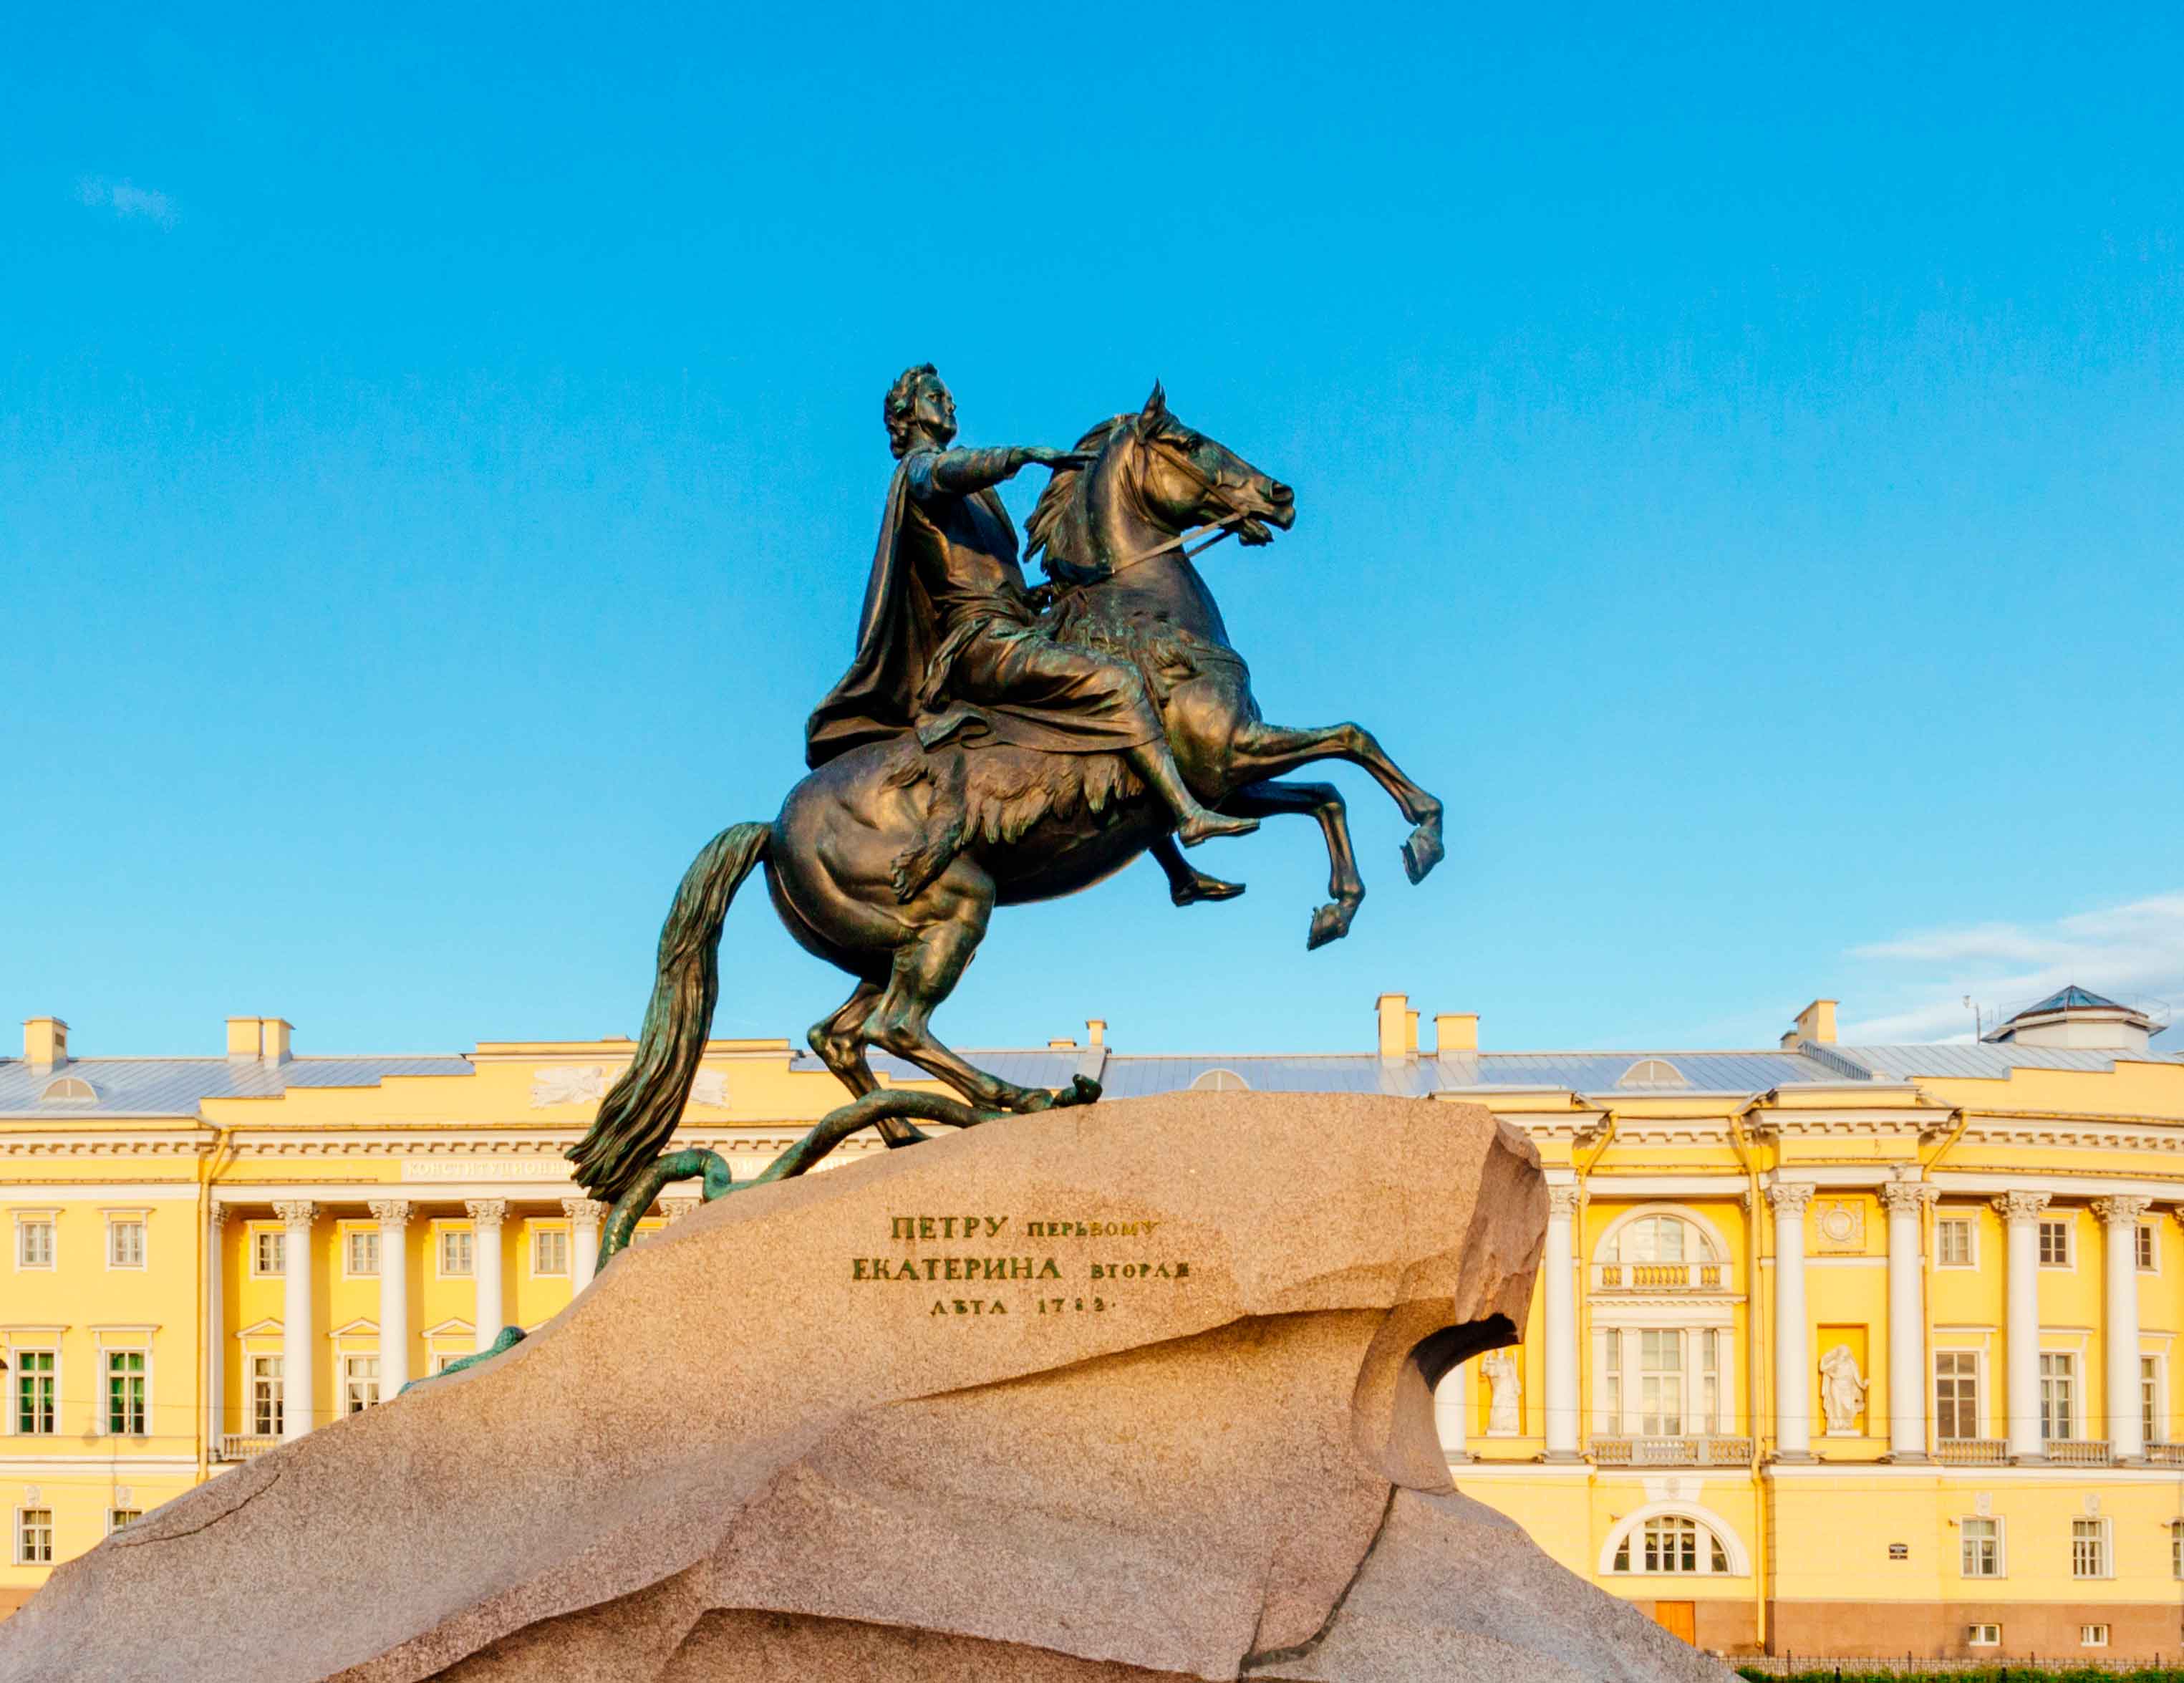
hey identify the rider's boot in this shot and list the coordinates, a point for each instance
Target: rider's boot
(1193, 822)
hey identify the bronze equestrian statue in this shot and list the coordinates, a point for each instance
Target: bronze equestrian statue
(990, 745)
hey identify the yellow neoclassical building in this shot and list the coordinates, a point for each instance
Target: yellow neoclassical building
(1835, 1350)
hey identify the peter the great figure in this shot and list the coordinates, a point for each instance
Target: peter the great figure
(949, 642)
(992, 745)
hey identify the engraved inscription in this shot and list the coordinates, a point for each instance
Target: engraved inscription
(902, 1262)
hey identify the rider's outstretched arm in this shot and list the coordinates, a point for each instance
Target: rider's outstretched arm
(957, 473)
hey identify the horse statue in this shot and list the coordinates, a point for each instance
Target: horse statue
(888, 861)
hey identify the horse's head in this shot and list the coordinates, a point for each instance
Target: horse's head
(1185, 479)
(1151, 473)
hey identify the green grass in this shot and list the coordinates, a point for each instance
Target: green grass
(1992, 1673)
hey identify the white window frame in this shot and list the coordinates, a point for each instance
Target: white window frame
(255, 1235)
(107, 1355)
(2093, 1635)
(2103, 1536)
(348, 1233)
(442, 1231)
(24, 1221)
(277, 1382)
(351, 1380)
(1970, 1220)
(2001, 1547)
(2149, 1233)
(2160, 1376)
(540, 1231)
(2176, 1548)
(15, 1376)
(116, 1220)
(1975, 1639)
(112, 1514)
(1629, 1532)
(2068, 1224)
(2075, 1374)
(23, 1555)
(1979, 1388)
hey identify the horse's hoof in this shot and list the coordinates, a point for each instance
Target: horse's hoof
(1328, 923)
(1082, 1090)
(1422, 851)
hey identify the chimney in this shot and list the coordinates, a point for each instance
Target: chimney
(243, 1040)
(1095, 1031)
(45, 1042)
(1456, 1032)
(1398, 1025)
(273, 1038)
(1815, 1022)
(1061, 1043)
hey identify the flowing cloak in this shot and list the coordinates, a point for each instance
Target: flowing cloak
(897, 681)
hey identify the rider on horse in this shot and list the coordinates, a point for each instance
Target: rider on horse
(948, 643)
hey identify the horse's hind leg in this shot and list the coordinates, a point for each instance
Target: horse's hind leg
(926, 969)
(1323, 801)
(1261, 750)
(839, 1041)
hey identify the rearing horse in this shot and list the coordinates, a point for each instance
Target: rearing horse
(888, 861)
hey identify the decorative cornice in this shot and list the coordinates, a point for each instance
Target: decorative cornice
(2121, 1212)
(2015, 1207)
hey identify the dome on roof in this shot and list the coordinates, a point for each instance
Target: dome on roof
(2078, 1018)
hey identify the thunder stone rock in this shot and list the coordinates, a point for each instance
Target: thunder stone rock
(1140, 1391)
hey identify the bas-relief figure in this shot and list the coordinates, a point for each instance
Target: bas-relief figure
(1499, 1369)
(1842, 1390)
(994, 744)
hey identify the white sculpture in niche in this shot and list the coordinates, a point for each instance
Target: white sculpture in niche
(711, 1088)
(563, 1083)
(1842, 1390)
(1500, 1367)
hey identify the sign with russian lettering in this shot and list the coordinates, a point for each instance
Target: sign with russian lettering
(979, 1265)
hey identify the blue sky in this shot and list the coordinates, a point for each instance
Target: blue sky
(1737, 463)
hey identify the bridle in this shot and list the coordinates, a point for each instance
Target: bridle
(1220, 528)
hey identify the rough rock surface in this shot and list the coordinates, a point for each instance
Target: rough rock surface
(1135, 1391)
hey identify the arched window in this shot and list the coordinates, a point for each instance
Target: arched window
(1653, 1072)
(69, 1090)
(1220, 1081)
(1671, 1544)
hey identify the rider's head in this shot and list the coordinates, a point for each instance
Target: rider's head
(918, 403)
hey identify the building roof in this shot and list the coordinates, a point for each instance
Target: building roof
(176, 1086)
(1985, 1061)
(2072, 998)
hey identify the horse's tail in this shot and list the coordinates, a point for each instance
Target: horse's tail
(637, 1116)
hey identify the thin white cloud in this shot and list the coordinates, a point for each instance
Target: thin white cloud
(126, 200)
(2133, 952)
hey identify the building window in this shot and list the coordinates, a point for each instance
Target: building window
(1982, 1548)
(360, 1384)
(1671, 1543)
(1956, 1394)
(120, 1519)
(2089, 1548)
(34, 1244)
(1983, 1636)
(1709, 1408)
(360, 1252)
(269, 1252)
(2092, 1635)
(125, 1408)
(2059, 1396)
(2149, 1259)
(34, 1536)
(124, 1243)
(35, 1393)
(2149, 1400)
(2176, 1548)
(265, 1396)
(1952, 1242)
(437, 1363)
(2055, 1244)
(550, 1250)
(1660, 1381)
(456, 1252)
(1611, 1380)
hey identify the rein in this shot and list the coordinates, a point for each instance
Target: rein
(1220, 529)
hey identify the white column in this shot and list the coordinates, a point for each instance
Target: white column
(486, 1215)
(1562, 1325)
(215, 1324)
(2127, 1422)
(2020, 1215)
(583, 1214)
(1793, 1364)
(1451, 1397)
(298, 1352)
(393, 1214)
(1907, 1319)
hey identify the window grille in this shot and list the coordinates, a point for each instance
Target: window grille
(2055, 1244)
(1982, 1548)
(269, 1252)
(34, 1536)
(550, 1250)
(34, 1245)
(362, 1248)
(125, 1245)
(1952, 1241)
(2089, 1548)
(1956, 1394)
(456, 1250)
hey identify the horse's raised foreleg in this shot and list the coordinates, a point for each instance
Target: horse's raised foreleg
(1259, 751)
(1187, 884)
(1323, 801)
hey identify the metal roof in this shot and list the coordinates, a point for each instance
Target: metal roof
(1990, 1062)
(2072, 998)
(175, 1086)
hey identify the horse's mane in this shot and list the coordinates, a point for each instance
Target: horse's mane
(1054, 528)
